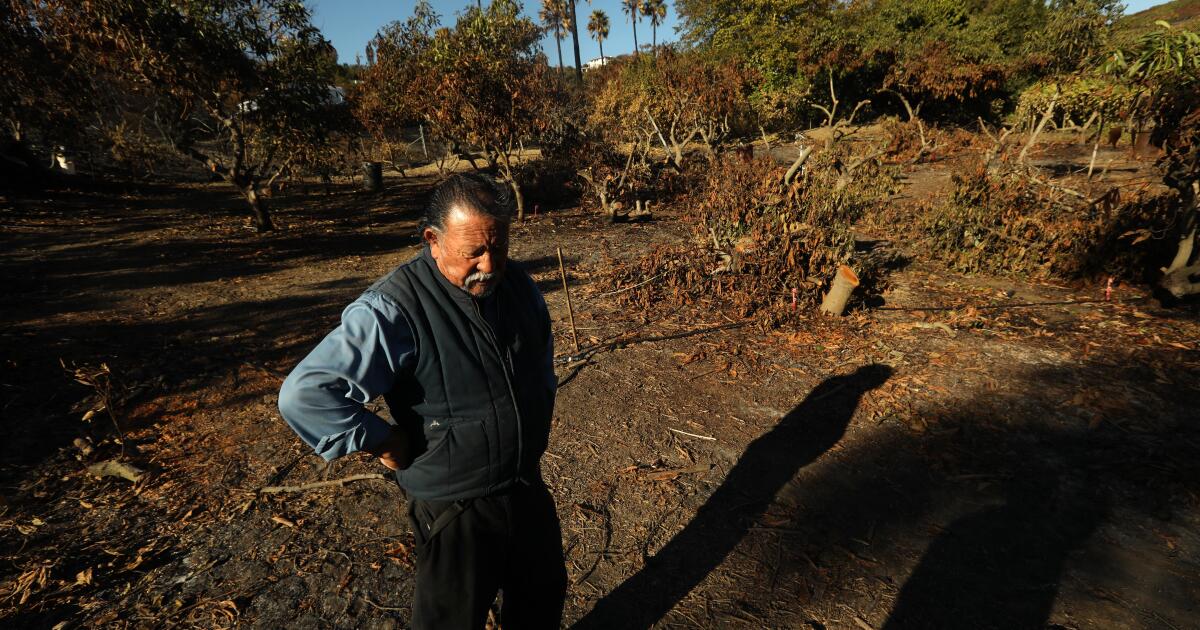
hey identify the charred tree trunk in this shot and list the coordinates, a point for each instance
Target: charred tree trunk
(242, 176)
(600, 187)
(372, 177)
(258, 206)
(502, 159)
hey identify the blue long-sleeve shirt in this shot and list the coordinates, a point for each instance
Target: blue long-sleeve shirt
(324, 397)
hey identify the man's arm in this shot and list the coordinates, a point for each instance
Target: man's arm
(323, 398)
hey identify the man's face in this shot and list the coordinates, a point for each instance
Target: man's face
(471, 250)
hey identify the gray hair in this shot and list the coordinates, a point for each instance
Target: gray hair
(474, 192)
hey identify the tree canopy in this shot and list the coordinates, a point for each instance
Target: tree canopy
(240, 86)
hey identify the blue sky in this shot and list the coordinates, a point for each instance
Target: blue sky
(350, 24)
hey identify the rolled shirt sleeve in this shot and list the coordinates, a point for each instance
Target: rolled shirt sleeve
(323, 398)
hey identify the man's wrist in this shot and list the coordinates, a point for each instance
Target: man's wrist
(377, 433)
(395, 451)
(383, 445)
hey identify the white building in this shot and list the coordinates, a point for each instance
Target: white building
(598, 62)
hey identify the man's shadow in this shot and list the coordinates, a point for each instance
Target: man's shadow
(770, 462)
(1001, 567)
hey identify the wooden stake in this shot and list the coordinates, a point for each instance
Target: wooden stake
(562, 271)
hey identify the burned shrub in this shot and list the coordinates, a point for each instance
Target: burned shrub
(1007, 221)
(1131, 238)
(909, 140)
(760, 246)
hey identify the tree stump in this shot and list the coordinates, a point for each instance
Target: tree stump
(835, 300)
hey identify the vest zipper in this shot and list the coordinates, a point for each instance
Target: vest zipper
(512, 394)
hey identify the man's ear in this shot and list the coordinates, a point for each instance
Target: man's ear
(430, 237)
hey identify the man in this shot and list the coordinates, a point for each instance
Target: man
(457, 341)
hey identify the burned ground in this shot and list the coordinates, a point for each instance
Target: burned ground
(983, 465)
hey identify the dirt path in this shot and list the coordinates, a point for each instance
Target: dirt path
(986, 466)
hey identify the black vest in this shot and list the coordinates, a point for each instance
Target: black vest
(478, 403)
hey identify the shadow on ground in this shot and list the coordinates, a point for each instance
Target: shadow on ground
(1013, 488)
(771, 461)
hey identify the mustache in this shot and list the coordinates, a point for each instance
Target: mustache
(477, 277)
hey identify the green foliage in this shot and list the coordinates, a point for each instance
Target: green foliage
(598, 27)
(1178, 13)
(939, 53)
(1076, 98)
(956, 60)
(1161, 60)
(556, 18)
(1163, 68)
(770, 37)
(1075, 34)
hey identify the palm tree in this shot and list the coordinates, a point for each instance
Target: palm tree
(573, 25)
(598, 27)
(656, 10)
(632, 8)
(553, 15)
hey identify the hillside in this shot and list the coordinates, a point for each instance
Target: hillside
(1180, 13)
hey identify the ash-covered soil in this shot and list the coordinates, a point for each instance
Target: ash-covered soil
(996, 462)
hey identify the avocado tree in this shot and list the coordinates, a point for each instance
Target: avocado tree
(242, 87)
(483, 83)
(390, 95)
(680, 99)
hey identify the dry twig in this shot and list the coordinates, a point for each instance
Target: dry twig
(321, 484)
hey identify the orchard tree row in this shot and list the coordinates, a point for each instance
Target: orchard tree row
(252, 93)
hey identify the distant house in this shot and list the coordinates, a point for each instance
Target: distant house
(598, 62)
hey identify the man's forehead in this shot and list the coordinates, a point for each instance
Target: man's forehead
(466, 219)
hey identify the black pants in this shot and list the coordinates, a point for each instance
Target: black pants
(468, 550)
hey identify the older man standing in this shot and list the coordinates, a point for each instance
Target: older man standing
(457, 341)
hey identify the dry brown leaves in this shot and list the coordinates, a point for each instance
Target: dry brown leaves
(1003, 219)
(757, 247)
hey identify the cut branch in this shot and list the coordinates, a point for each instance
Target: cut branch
(322, 484)
(795, 167)
(1041, 125)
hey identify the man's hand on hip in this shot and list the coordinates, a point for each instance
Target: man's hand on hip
(395, 452)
